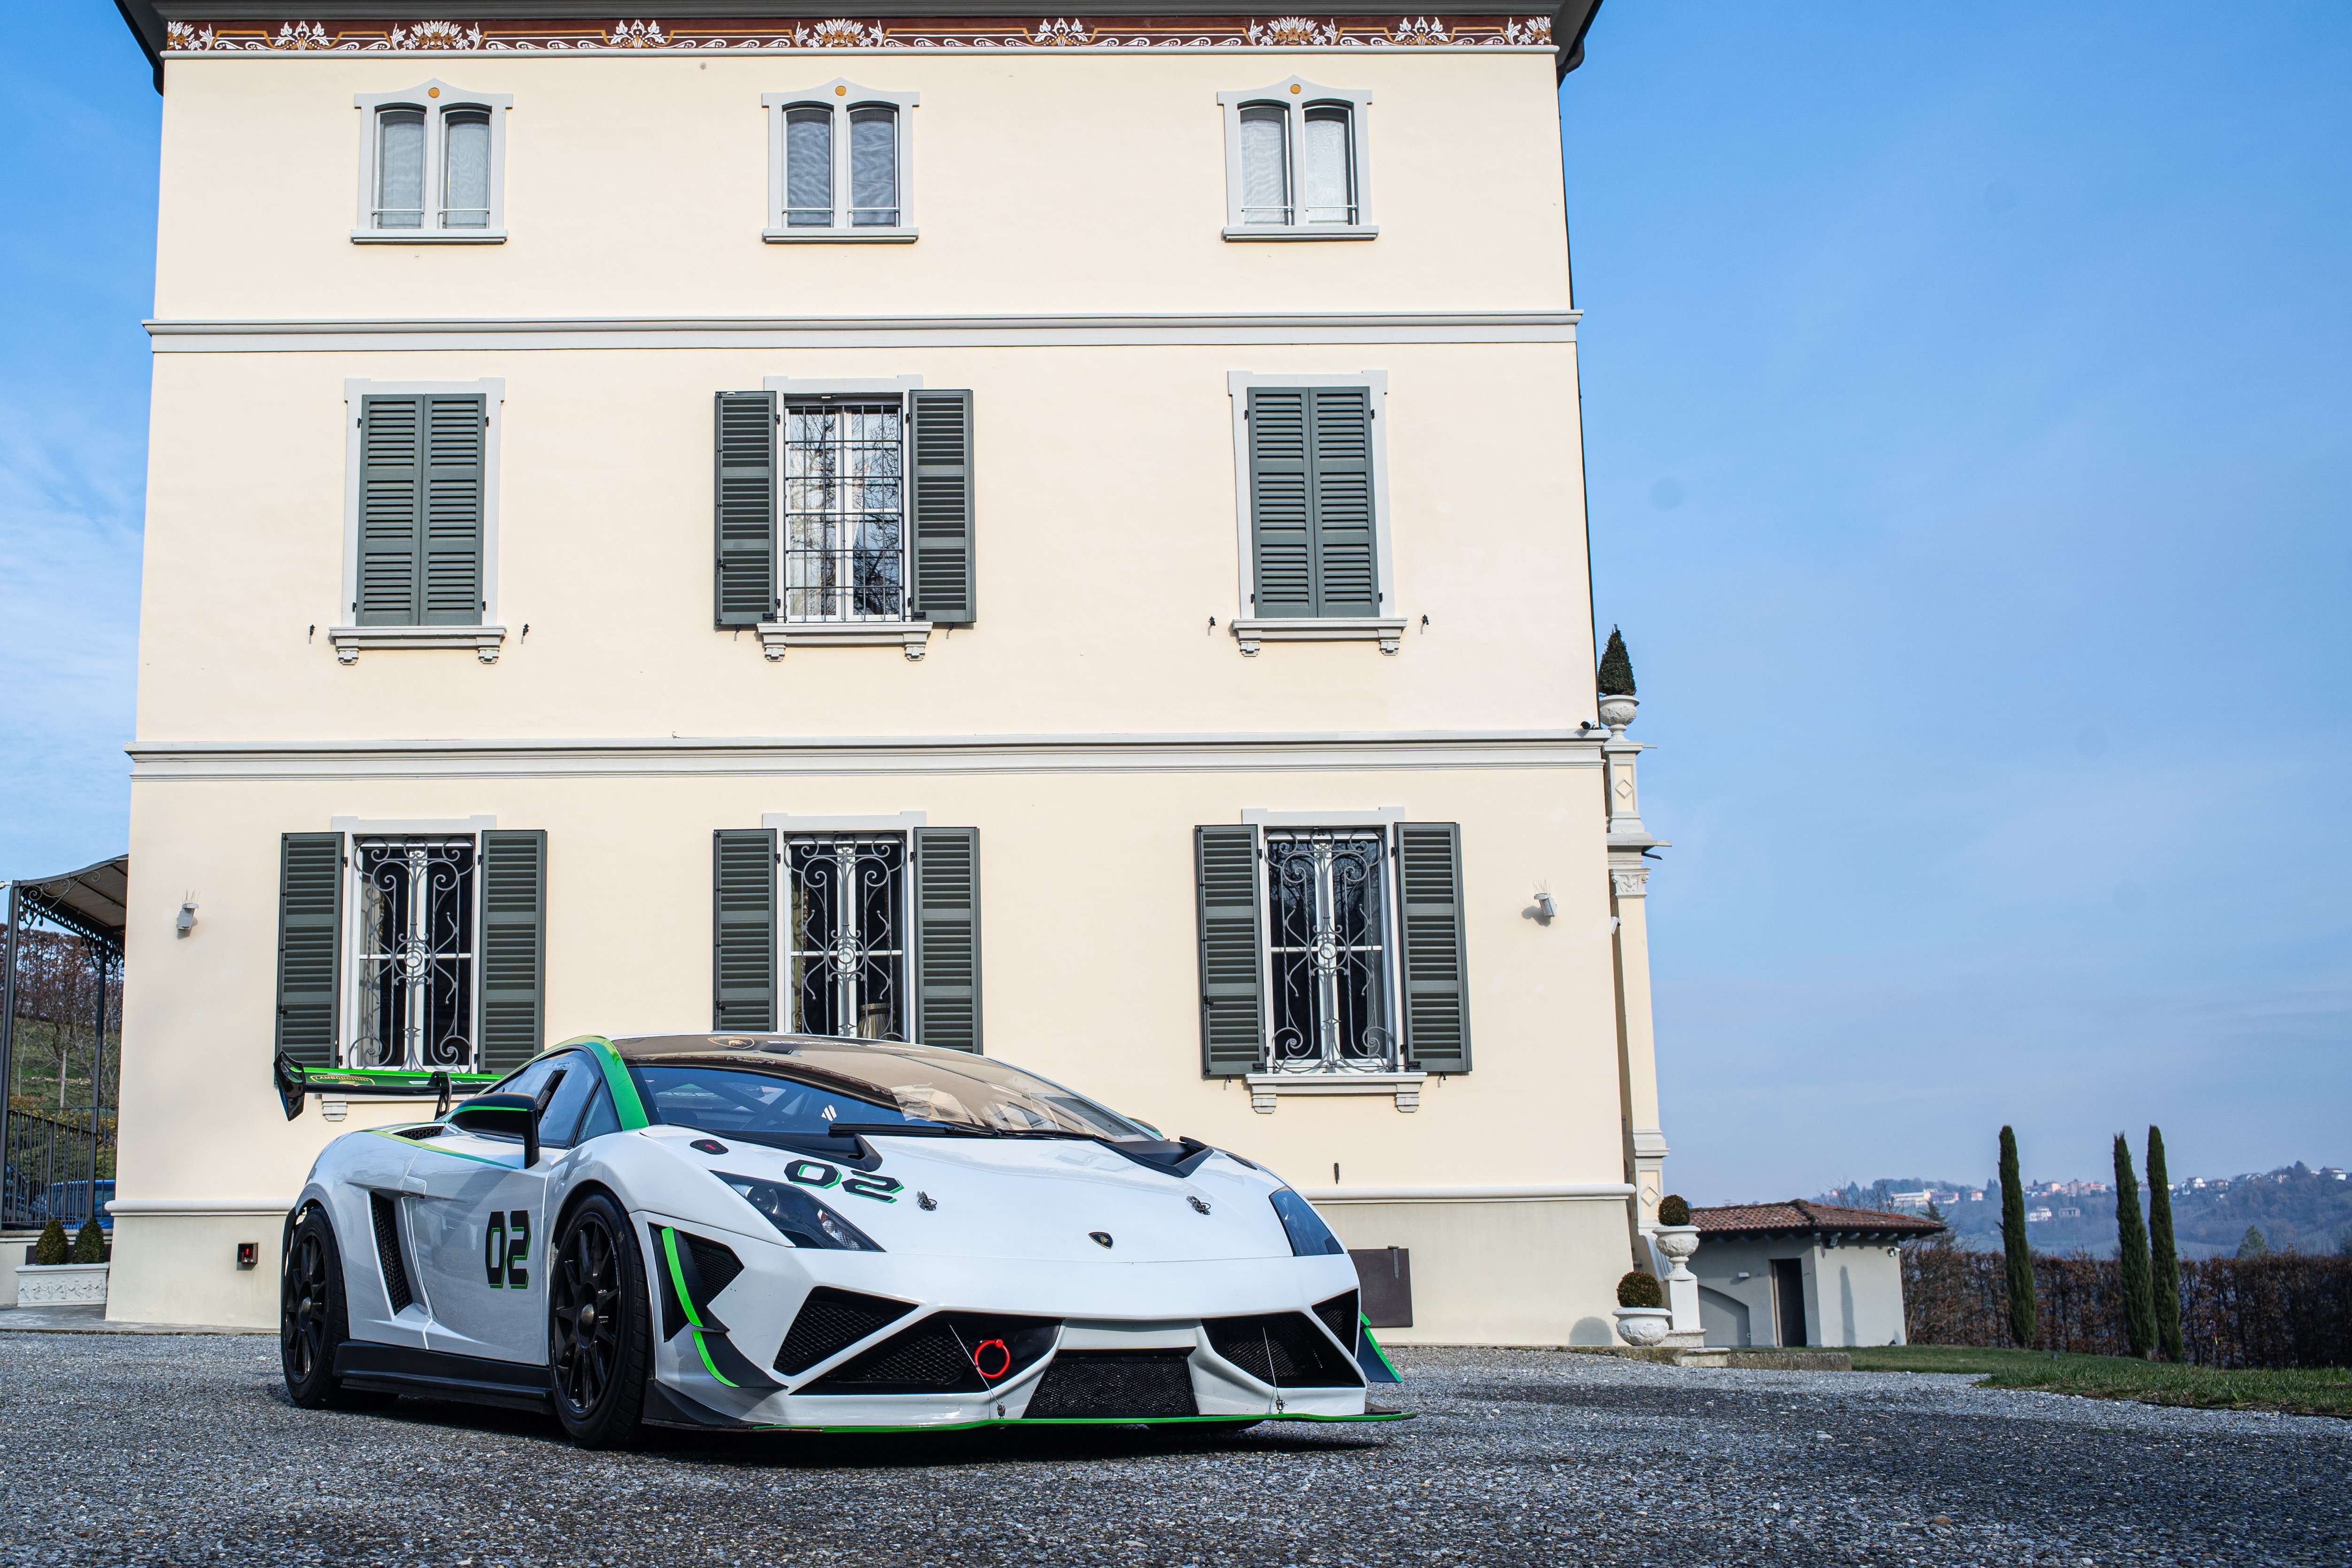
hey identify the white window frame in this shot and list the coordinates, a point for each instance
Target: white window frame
(1252, 631)
(354, 829)
(436, 98)
(841, 95)
(486, 639)
(1298, 95)
(777, 635)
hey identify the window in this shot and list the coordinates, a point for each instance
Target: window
(433, 165)
(1327, 950)
(844, 935)
(1311, 491)
(844, 512)
(1295, 163)
(837, 164)
(420, 559)
(414, 930)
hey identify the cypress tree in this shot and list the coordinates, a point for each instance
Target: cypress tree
(2131, 1256)
(2012, 1240)
(1616, 675)
(2164, 1264)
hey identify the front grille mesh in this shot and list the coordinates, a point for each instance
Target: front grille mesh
(1133, 1385)
(1339, 1315)
(715, 1261)
(830, 1321)
(387, 1253)
(1284, 1349)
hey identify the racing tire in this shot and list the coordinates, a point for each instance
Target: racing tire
(599, 1327)
(314, 1319)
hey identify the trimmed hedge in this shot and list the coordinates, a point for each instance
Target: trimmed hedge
(1640, 1290)
(2285, 1310)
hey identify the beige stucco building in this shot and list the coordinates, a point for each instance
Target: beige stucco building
(1062, 537)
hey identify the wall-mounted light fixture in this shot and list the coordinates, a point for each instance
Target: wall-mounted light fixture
(188, 917)
(1544, 907)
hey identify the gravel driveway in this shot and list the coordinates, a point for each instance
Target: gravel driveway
(184, 1450)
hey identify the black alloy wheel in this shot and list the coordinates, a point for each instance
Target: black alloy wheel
(599, 1331)
(314, 1318)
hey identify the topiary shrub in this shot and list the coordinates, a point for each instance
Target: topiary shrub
(1616, 675)
(1672, 1210)
(89, 1243)
(1639, 1290)
(51, 1249)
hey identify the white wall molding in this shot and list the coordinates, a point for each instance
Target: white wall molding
(894, 822)
(163, 761)
(233, 1206)
(1611, 1192)
(525, 333)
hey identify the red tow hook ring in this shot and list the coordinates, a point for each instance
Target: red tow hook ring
(1004, 1362)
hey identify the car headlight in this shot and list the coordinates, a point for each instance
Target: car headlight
(1309, 1236)
(798, 1218)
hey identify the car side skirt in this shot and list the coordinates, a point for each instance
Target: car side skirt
(438, 1375)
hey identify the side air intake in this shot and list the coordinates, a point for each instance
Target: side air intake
(1339, 1315)
(830, 1321)
(1284, 1349)
(387, 1251)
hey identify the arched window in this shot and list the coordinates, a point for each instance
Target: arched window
(434, 160)
(838, 164)
(1295, 163)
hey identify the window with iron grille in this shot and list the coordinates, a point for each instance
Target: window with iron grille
(1329, 982)
(844, 938)
(414, 927)
(843, 510)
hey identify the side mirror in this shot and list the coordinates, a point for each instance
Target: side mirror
(502, 1116)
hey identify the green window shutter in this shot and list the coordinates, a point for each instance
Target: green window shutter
(310, 939)
(744, 458)
(941, 507)
(1347, 580)
(391, 495)
(456, 436)
(946, 958)
(1232, 1000)
(514, 948)
(1436, 977)
(743, 930)
(1282, 511)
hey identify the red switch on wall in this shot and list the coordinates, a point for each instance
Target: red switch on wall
(248, 1253)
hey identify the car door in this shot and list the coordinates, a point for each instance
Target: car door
(480, 1224)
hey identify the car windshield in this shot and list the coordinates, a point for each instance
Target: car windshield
(803, 1088)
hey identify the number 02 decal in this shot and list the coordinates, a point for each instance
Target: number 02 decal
(506, 1250)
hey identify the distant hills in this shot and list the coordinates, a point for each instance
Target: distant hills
(2296, 1206)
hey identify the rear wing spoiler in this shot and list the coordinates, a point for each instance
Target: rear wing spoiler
(296, 1083)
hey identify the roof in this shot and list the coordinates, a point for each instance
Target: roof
(88, 902)
(149, 20)
(1796, 1214)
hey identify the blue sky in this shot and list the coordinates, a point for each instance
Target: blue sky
(1966, 409)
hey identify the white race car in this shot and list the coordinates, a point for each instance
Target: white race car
(766, 1231)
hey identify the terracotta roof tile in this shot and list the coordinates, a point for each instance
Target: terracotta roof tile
(1738, 1219)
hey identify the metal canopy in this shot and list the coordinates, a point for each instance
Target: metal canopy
(88, 902)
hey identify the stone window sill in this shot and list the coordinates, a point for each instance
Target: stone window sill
(839, 236)
(1266, 1087)
(776, 637)
(428, 237)
(484, 641)
(1250, 631)
(1304, 231)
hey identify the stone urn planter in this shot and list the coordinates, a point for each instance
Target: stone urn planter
(1677, 1242)
(1642, 1327)
(61, 1285)
(1617, 711)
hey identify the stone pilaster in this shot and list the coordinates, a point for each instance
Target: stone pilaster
(1637, 1056)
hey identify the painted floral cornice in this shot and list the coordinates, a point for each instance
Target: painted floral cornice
(847, 33)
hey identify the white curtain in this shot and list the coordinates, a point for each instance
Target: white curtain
(1265, 174)
(400, 169)
(466, 188)
(808, 168)
(874, 166)
(1327, 174)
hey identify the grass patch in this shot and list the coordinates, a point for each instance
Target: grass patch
(2303, 1391)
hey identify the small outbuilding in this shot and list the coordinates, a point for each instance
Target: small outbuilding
(1799, 1274)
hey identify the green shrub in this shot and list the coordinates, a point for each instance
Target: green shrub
(1672, 1210)
(51, 1249)
(1639, 1290)
(89, 1243)
(1616, 675)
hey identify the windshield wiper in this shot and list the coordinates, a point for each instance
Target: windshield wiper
(911, 1130)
